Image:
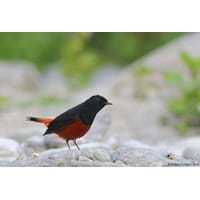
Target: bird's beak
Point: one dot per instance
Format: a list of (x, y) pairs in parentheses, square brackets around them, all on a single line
[(108, 103)]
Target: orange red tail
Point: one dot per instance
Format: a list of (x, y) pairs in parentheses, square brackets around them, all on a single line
[(45, 121)]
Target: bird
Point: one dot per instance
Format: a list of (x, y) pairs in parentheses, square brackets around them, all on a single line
[(75, 122)]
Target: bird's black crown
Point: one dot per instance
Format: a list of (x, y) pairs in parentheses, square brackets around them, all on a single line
[(98, 99)]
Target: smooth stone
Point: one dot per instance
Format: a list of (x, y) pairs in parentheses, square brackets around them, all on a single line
[(32, 146), (136, 144), (34, 142), (187, 143), (53, 141), (147, 157), (9, 149), (192, 153)]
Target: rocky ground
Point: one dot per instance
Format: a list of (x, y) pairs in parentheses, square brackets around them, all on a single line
[(130, 133), (35, 152)]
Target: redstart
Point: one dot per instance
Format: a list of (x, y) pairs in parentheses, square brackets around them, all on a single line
[(75, 122)]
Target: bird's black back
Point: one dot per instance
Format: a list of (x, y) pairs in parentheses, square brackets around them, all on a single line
[(64, 119)]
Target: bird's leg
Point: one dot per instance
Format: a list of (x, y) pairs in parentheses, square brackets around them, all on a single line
[(67, 142), (76, 145)]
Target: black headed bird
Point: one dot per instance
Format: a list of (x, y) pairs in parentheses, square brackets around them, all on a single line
[(75, 122)]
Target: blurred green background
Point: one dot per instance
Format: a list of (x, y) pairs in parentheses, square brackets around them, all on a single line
[(79, 54)]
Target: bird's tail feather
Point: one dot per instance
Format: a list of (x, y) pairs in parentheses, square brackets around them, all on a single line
[(45, 121)]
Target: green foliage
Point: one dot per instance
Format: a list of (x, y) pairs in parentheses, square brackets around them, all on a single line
[(79, 60), (142, 71), (187, 105), (79, 53), (182, 127), (173, 77), (3, 100), (192, 63), (139, 74), (40, 48)]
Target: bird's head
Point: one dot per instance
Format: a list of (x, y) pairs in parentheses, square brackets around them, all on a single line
[(92, 106), (97, 102)]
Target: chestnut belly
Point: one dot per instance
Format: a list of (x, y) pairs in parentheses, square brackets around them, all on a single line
[(73, 131)]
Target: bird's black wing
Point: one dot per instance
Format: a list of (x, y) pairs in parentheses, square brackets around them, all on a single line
[(63, 120)]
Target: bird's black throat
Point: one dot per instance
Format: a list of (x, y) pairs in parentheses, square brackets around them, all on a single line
[(88, 113)]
